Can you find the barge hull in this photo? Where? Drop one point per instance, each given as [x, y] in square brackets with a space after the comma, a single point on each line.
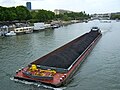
[67, 75]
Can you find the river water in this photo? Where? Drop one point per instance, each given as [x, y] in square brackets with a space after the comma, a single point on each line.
[100, 70]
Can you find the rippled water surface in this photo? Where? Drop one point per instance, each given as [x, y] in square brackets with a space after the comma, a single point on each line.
[100, 71]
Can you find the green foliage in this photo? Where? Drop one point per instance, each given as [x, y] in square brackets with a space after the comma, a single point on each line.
[2, 13]
[115, 16]
[12, 13]
[72, 16]
[43, 15]
[22, 13]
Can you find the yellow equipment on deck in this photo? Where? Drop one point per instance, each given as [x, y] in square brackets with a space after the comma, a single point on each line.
[49, 71]
[34, 68]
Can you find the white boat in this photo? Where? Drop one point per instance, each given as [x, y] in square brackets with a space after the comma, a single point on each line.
[95, 29]
[39, 26]
[47, 26]
[11, 33]
[3, 30]
[28, 29]
[55, 26]
[19, 30]
[105, 21]
[23, 30]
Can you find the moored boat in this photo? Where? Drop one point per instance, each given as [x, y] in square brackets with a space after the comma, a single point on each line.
[11, 33]
[58, 67]
[23, 30]
[39, 26]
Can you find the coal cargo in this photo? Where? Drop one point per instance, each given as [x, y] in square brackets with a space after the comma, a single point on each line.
[65, 57]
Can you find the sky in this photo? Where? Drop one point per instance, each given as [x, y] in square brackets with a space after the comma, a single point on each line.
[89, 6]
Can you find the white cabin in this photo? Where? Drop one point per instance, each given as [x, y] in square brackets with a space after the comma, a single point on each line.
[23, 30]
[39, 26]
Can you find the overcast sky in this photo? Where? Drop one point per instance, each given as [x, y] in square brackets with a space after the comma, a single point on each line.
[89, 6]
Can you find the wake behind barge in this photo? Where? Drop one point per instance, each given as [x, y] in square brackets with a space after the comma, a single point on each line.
[58, 67]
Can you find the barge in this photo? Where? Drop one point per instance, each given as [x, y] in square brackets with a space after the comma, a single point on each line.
[57, 67]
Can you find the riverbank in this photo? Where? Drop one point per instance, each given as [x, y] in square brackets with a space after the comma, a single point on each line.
[25, 27]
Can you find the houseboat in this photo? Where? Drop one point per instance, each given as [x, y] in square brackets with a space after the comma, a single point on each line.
[23, 30]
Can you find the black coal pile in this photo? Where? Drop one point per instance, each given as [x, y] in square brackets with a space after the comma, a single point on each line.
[64, 58]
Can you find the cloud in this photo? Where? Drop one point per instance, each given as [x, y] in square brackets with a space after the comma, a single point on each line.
[32, 0]
[11, 3]
[7, 1]
[90, 6]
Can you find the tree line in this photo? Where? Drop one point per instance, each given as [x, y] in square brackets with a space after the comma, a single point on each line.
[115, 16]
[73, 16]
[21, 13]
[14, 13]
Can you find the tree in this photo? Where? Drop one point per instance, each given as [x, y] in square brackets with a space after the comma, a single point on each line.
[23, 13]
[2, 13]
[73, 16]
[43, 15]
[115, 16]
[13, 15]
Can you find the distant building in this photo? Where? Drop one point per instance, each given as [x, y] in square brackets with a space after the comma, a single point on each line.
[61, 11]
[101, 16]
[28, 5]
